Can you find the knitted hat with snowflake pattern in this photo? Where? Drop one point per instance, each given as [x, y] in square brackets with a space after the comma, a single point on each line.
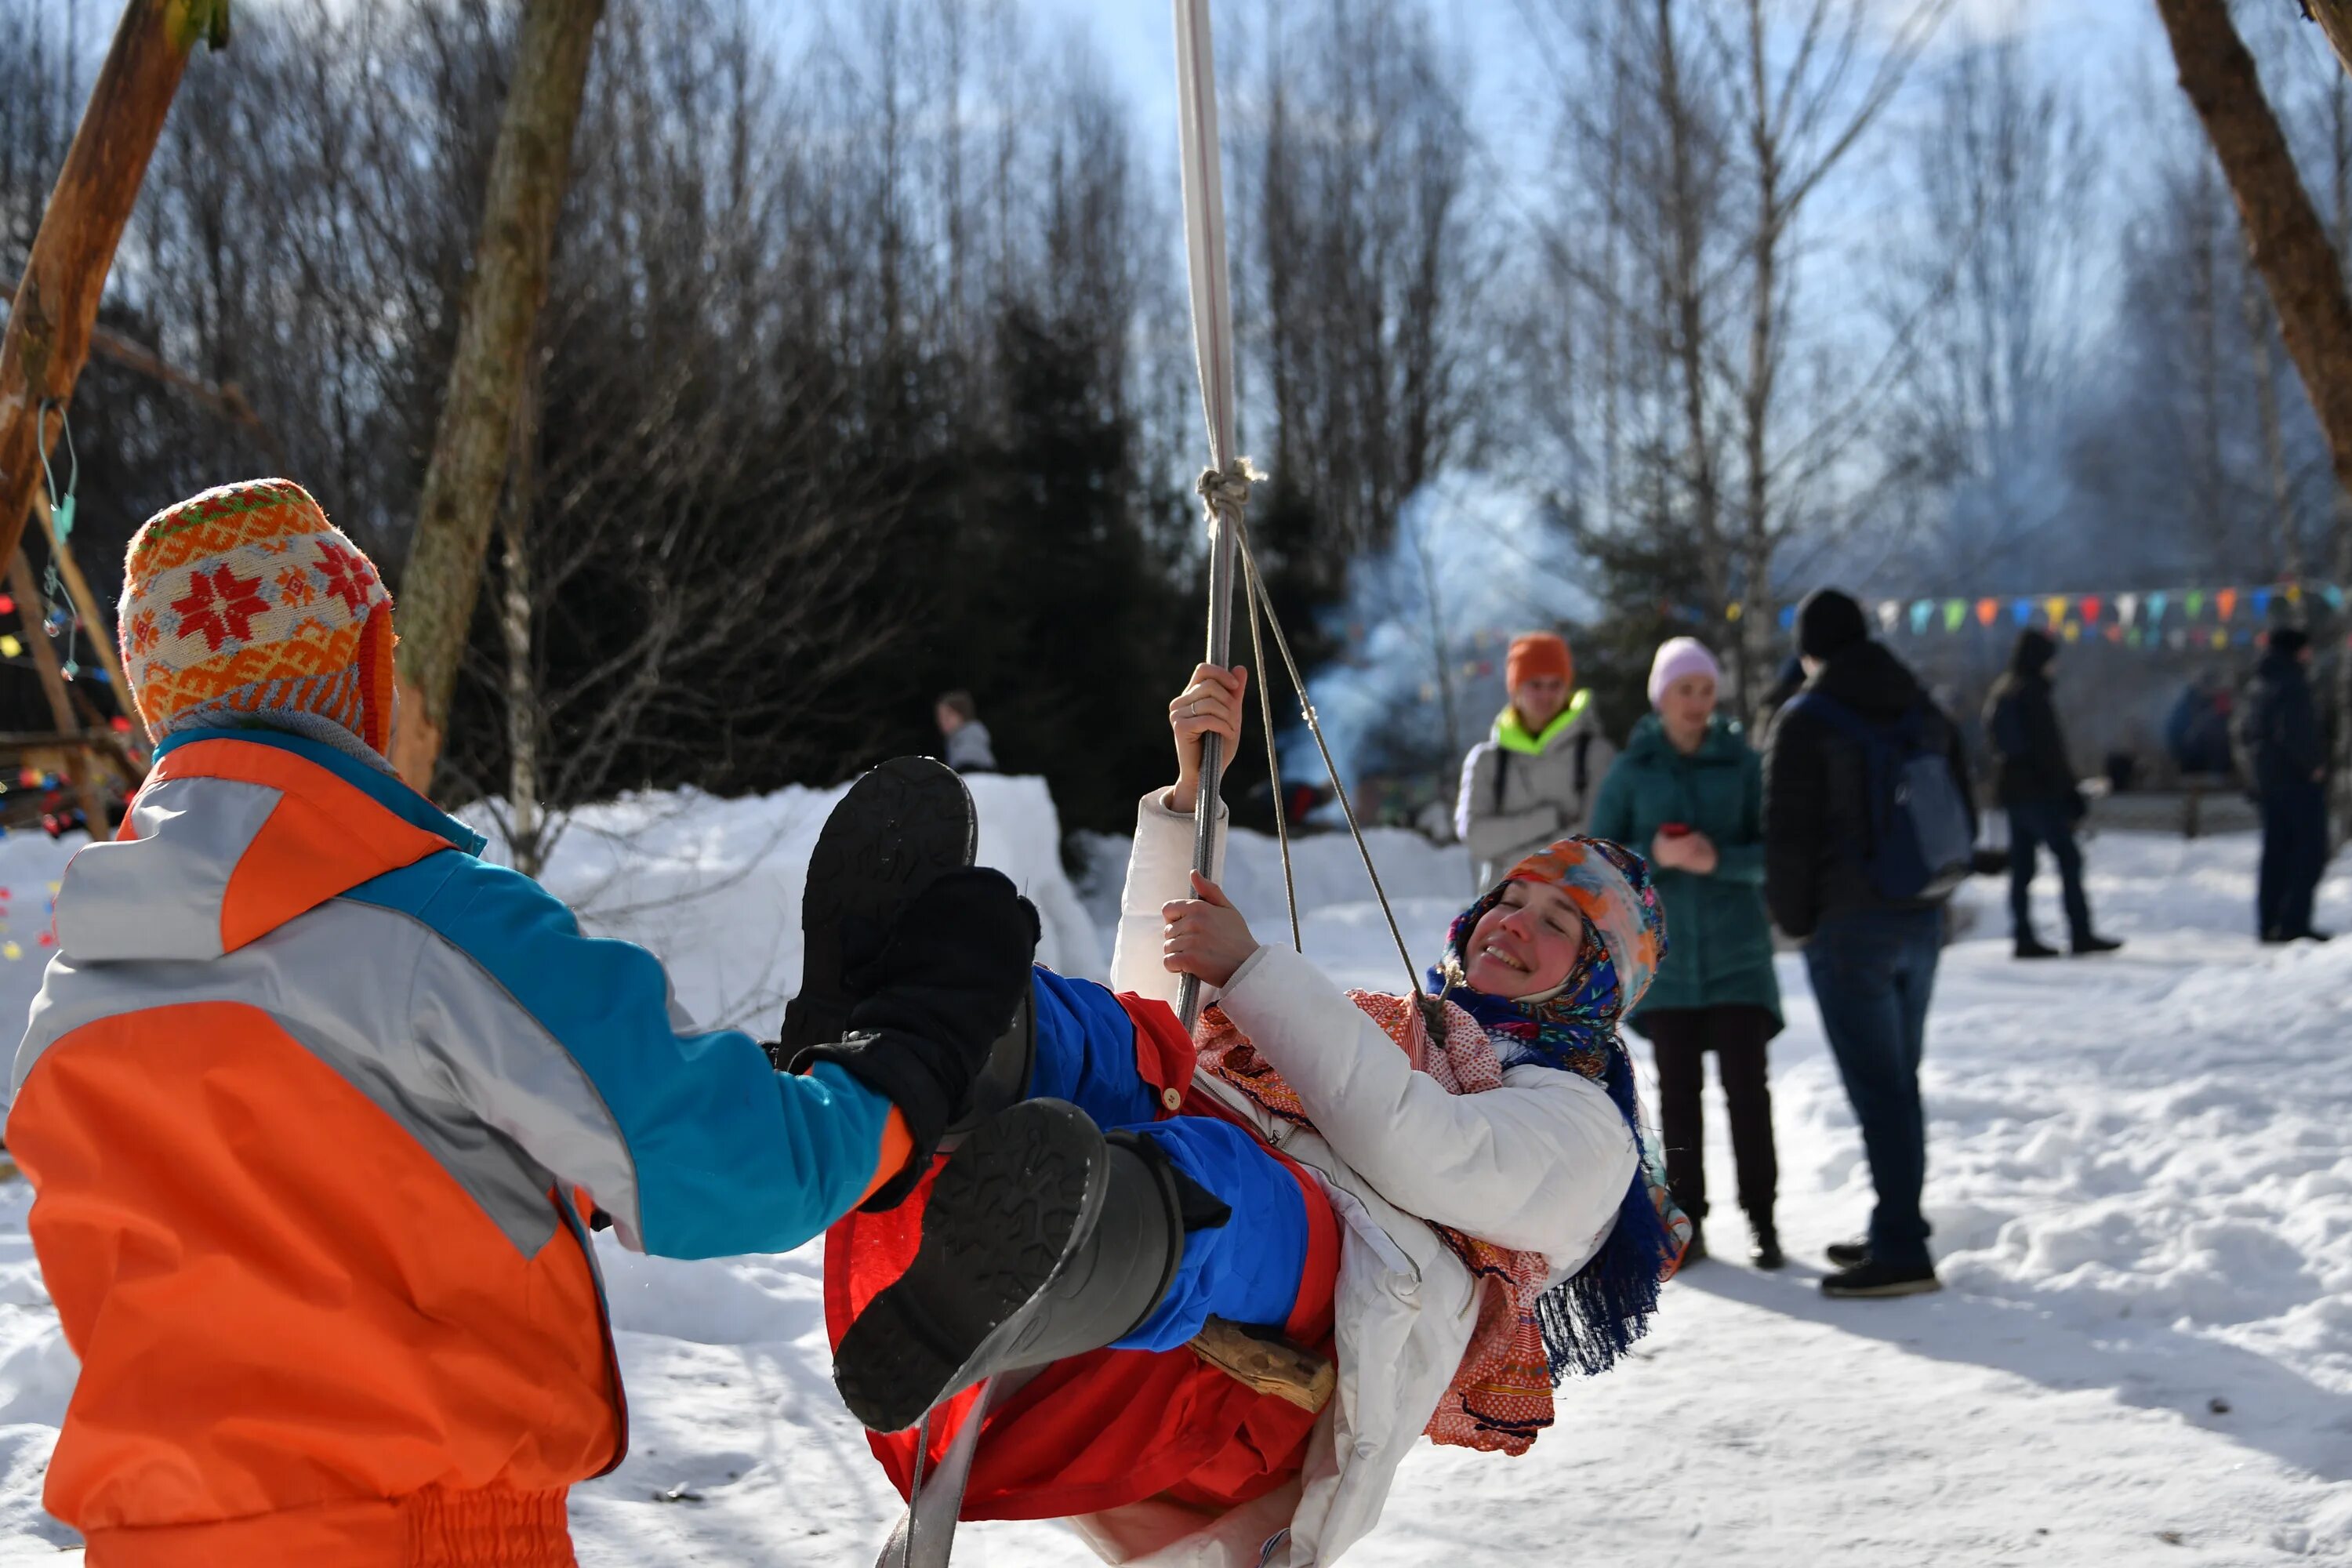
[245, 606]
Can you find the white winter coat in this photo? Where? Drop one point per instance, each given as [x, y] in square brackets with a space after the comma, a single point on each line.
[1539, 1164]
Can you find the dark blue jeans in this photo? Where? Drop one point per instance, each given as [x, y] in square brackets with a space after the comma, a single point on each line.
[1874, 973]
[2294, 853]
[2050, 822]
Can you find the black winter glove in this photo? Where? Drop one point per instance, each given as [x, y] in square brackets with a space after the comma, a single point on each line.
[934, 995]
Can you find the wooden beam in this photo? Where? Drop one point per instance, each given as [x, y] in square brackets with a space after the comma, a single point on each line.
[78, 767]
[48, 333]
[227, 399]
[86, 609]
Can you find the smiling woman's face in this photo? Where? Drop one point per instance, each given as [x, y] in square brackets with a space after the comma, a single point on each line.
[1525, 944]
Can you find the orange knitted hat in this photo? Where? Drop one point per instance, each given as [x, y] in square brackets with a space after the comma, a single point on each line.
[1537, 653]
[244, 604]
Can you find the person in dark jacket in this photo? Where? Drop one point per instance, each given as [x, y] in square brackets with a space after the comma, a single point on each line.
[1872, 959]
[2278, 731]
[1688, 792]
[2035, 784]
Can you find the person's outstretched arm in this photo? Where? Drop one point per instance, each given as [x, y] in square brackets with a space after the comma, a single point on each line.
[567, 1046]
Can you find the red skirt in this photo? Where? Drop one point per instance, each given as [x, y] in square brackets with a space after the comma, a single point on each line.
[1111, 1427]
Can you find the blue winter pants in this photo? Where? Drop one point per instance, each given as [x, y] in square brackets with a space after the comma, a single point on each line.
[1873, 973]
[1247, 1270]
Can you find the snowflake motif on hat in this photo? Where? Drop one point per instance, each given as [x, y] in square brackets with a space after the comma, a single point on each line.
[144, 633]
[220, 607]
[349, 576]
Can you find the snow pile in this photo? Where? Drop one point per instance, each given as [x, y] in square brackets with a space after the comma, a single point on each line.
[2140, 1177]
[714, 885]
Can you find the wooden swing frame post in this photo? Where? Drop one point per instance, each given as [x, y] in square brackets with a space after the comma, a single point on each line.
[55, 309]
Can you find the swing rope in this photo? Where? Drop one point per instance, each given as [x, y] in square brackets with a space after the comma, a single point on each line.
[1232, 488]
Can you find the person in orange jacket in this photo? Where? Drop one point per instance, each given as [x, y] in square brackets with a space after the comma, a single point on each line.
[317, 1105]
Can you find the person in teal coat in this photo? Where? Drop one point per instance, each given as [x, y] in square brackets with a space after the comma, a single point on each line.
[1688, 792]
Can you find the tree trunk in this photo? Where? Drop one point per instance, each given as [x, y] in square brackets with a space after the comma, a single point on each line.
[530, 170]
[2289, 246]
[2334, 19]
[57, 303]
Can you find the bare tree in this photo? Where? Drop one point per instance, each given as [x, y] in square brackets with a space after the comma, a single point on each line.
[2004, 168]
[529, 174]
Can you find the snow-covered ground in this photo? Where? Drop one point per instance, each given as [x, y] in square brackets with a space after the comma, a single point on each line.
[2140, 1177]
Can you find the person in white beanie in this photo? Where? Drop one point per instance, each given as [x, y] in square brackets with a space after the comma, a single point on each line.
[1689, 793]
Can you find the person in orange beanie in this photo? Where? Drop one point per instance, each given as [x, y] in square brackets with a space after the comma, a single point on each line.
[318, 1107]
[1533, 780]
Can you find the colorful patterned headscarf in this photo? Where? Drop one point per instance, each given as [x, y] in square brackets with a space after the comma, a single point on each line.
[1590, 1319]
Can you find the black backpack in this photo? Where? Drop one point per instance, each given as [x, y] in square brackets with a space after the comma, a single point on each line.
[1920, 846]
[1583, 771]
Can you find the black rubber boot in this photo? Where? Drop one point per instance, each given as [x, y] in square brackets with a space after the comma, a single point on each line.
[1042, 1239]
[1004, 1082]
[900, 827]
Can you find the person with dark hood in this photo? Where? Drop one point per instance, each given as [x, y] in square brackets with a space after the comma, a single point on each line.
[1868, 827]
[2035, 784]
[2286, 763]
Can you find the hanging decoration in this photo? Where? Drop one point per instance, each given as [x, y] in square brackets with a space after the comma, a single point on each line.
[2132, 618]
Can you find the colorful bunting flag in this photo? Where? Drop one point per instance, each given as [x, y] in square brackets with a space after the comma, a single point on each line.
[2262, 601]
[1988, 611]
[2091, 609]
[1788, 617]
[2155, 608]
[2127, 609]
[1889, 612]
[2195, 602]
[2074, 631]
[2226, 603]
[2055, 606]
[1919, 613]
[1955, 611]
[2021, 612]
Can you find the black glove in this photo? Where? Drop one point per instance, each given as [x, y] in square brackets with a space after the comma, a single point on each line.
[933, 995]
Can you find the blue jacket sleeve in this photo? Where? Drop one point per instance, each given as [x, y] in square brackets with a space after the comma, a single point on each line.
[694, 1143]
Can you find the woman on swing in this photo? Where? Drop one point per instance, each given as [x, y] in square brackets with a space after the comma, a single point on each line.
[1455, 1223]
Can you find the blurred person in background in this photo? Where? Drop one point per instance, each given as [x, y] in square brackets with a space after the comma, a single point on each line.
[1689, 792]
[2034, 783]
[2285, 761]
[1533, 781]
[968, 749]
[1868, 828]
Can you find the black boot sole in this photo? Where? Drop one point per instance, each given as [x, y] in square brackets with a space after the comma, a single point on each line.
[1007, 1211]
[901, 827]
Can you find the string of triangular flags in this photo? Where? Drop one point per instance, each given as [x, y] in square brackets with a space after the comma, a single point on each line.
[2145, 617]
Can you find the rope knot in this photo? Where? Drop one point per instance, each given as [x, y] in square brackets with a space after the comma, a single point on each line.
[1225, 491]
